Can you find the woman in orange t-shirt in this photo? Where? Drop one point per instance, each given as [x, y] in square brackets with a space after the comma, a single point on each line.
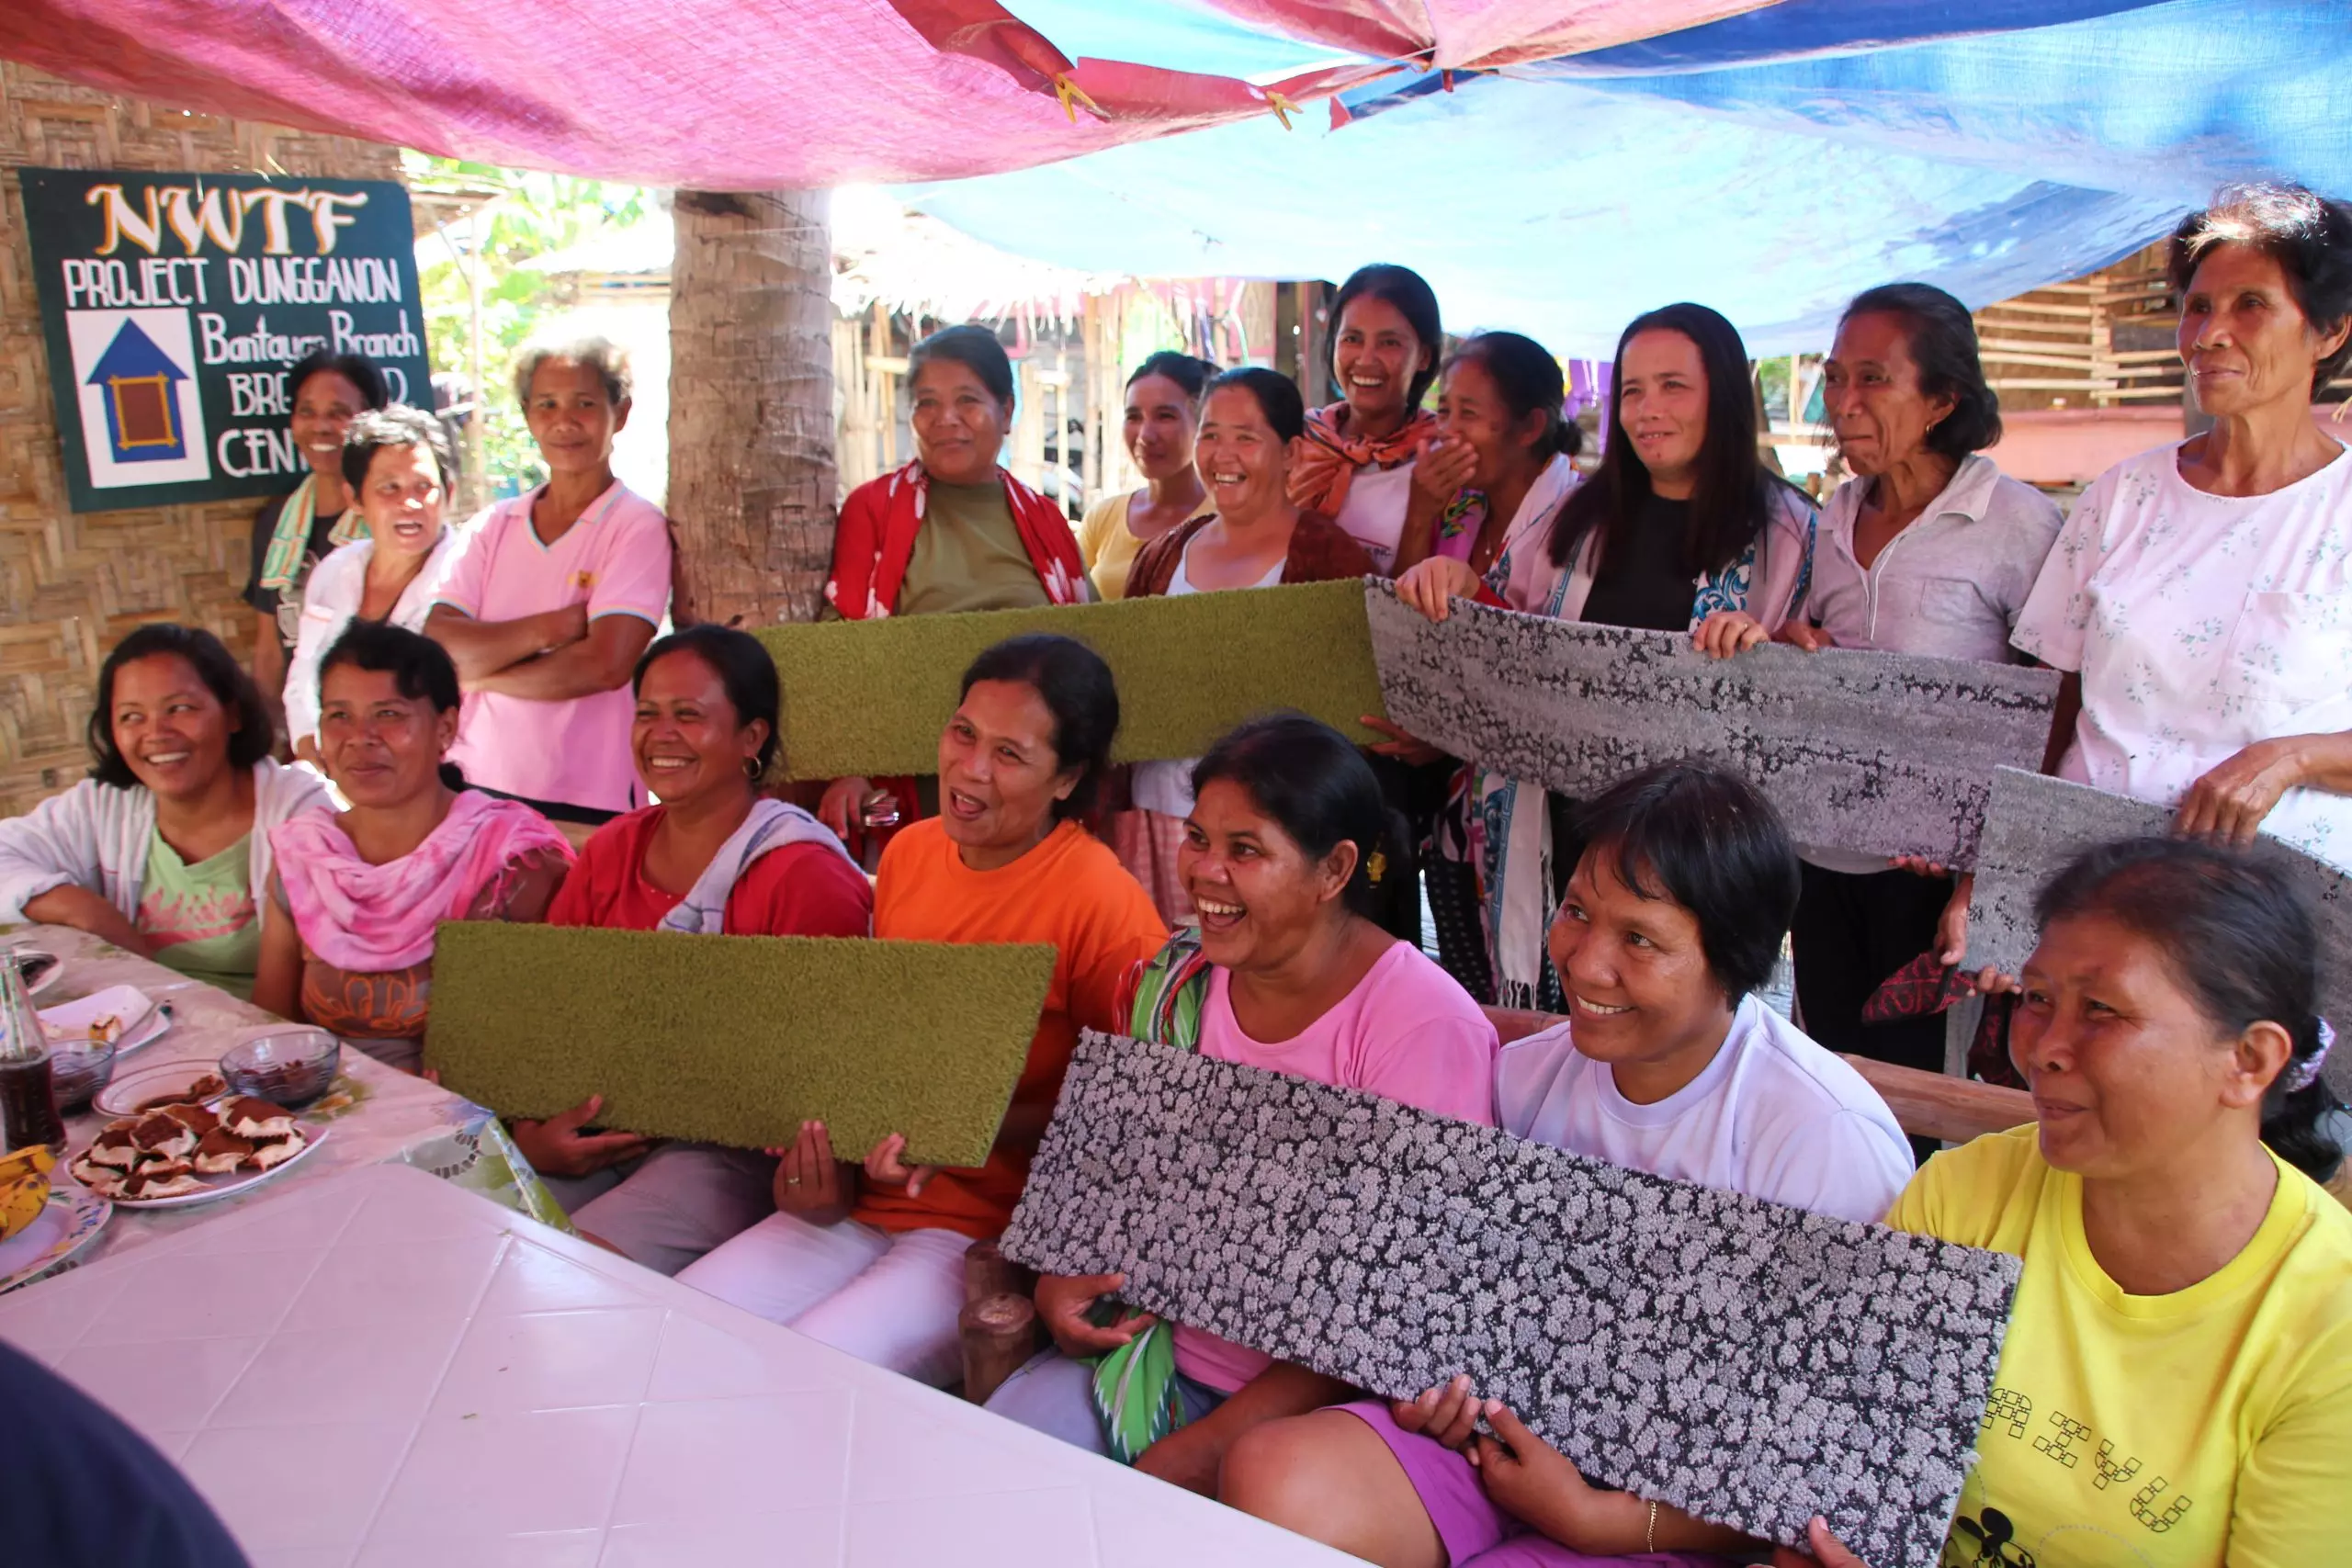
[870, 1259]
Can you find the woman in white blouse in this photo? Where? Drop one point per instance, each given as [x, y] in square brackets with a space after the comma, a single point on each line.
[1929, 549]
[396, 461]
[2200, 598]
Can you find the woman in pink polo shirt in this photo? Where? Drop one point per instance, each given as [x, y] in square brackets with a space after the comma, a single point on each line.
[555, 598]
[1284, 848]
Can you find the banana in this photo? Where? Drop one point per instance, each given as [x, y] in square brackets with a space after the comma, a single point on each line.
[23, 1187]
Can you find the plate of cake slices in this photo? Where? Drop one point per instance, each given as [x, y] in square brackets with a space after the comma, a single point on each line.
[192, 1152]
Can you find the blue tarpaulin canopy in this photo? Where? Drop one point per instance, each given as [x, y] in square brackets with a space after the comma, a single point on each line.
[1553, 165]
[1770, 164]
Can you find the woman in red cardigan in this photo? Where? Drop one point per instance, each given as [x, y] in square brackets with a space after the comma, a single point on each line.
[949, 532]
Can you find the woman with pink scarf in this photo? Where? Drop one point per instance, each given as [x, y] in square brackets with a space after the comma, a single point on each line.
[347, 936]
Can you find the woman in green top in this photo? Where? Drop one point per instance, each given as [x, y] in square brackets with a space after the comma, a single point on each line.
[950, 532]
[160, 849]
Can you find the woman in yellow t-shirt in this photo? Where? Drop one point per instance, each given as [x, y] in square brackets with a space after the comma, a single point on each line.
[2176, 1384]
[1163, 420]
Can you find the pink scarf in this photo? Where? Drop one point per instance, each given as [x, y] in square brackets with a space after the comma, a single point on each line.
[372, 920]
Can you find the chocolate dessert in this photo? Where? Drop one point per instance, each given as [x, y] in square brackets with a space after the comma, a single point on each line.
[220, 1151]
[203, 1089]
[251, 1118]
[148, 1184]
[194, 1118]
[159, 1134]
[115, 1147]
[272, 1152]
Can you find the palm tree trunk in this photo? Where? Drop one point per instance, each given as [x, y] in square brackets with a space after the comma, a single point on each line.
[752, 485]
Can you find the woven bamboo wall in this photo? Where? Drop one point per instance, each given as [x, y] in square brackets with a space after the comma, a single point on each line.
[70, 586]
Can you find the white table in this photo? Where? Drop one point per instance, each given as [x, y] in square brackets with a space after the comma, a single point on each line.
[381, 1369]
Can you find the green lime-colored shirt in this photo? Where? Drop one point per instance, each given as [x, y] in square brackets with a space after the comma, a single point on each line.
[201, 917]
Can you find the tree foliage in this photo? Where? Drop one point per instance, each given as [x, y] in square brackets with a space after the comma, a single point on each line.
[534, 214]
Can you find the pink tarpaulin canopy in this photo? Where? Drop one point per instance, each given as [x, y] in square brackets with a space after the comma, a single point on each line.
[756, 94]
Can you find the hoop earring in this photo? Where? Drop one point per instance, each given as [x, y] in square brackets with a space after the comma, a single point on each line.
[752, 769]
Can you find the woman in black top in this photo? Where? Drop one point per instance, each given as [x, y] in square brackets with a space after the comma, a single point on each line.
[1681, 522]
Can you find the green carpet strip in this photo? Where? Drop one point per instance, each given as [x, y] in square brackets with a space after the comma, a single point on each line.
[738, 1040]
[870, 697]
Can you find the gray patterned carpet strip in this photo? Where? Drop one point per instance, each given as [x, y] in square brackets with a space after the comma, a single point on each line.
[1880, 753]
[1753, 1364]
[2034, 824]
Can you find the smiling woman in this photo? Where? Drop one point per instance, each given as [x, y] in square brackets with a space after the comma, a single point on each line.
[868, 1256]
[1163, 421]
[714, 856]
[2167, 1032]
[1286, 850]
[1681, 526]
[397, 463]
[2200, 598]
[555, 597]
[347, 937]
[951, 531]
[1360, 466]
[164, 847]
[1500, 403]
[1255, 536]
[1668, 1063]
[293, 533]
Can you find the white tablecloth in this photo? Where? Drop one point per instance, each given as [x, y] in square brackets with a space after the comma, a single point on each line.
[380, 1369]
[373, 1112]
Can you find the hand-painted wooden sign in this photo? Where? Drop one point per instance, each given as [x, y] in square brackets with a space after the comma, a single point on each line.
[174, 305]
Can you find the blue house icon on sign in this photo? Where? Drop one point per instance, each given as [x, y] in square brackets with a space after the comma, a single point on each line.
[143, 423]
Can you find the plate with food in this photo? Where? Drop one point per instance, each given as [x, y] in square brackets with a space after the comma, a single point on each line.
[119, 1016]
[191, 1152]
[45, 1220]
[158, 1084]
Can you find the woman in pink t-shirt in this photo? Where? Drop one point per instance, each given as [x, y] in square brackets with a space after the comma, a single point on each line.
[1286, 843]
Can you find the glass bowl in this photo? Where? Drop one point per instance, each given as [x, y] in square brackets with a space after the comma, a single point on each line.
[78, 1069]
[289, 1065]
